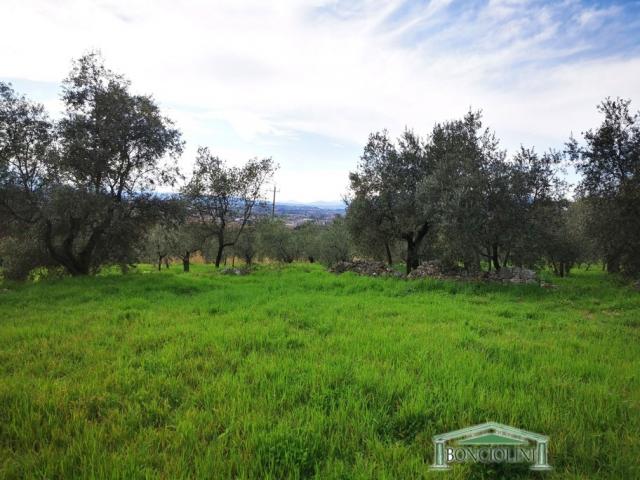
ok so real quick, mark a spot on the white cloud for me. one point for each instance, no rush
(270, 70)
(595, 16)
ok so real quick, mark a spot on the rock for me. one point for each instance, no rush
(435, 269)
(365, 267)
(513, 275)
(236, 271)
(432, 268)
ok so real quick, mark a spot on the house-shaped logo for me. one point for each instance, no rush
(491, 443)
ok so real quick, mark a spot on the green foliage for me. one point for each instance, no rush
(26, 154)
(247, 245)
(466, 191)
(294, 372)
(278, 242)
(385, 190)
(222, 198)
(370, 234)
(19, 257)
(82, 185)
(609, 162)
(334, 243)
(455, 197)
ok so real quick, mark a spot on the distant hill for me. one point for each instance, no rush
(321, 206)
(319, 209)
(311, 210)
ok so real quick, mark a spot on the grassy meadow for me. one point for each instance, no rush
(293, 372)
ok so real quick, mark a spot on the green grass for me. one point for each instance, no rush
(296, 372)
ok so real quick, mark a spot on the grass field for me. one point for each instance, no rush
(295, 372)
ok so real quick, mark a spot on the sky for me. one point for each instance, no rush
(306, 81)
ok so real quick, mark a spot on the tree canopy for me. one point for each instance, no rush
(219, 195)
(82, 185)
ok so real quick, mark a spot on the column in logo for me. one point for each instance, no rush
(541, 458)
(439, 460)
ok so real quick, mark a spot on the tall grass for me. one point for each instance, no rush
(294, 372)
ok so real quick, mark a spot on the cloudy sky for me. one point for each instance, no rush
(305, 81)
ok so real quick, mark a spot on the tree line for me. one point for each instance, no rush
(80, 193)
(263, 239)
(454, 195)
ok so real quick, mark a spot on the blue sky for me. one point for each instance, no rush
(305, 81)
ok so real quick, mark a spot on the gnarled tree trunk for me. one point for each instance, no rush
(185, 261)
(413, 246)
(387, 249)
(494, 256)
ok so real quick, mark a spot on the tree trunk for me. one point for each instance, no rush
(76, 264)
(494, 256)
(412, 255)
(74, 267)
(166, 262)
(413, 245)
(613, 263)
(219, 254)
(505, 260)
(488, 257)
(388, 251)
(63, 258)
(82, 271)
(159, 263)
(185, 261)
(475, 262)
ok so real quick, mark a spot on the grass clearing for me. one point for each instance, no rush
(295, 372)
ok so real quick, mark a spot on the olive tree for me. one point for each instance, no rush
(83, 185)
(223, 197)
(279, 242)
(334, 242)
(385, 188)
(609, 161)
